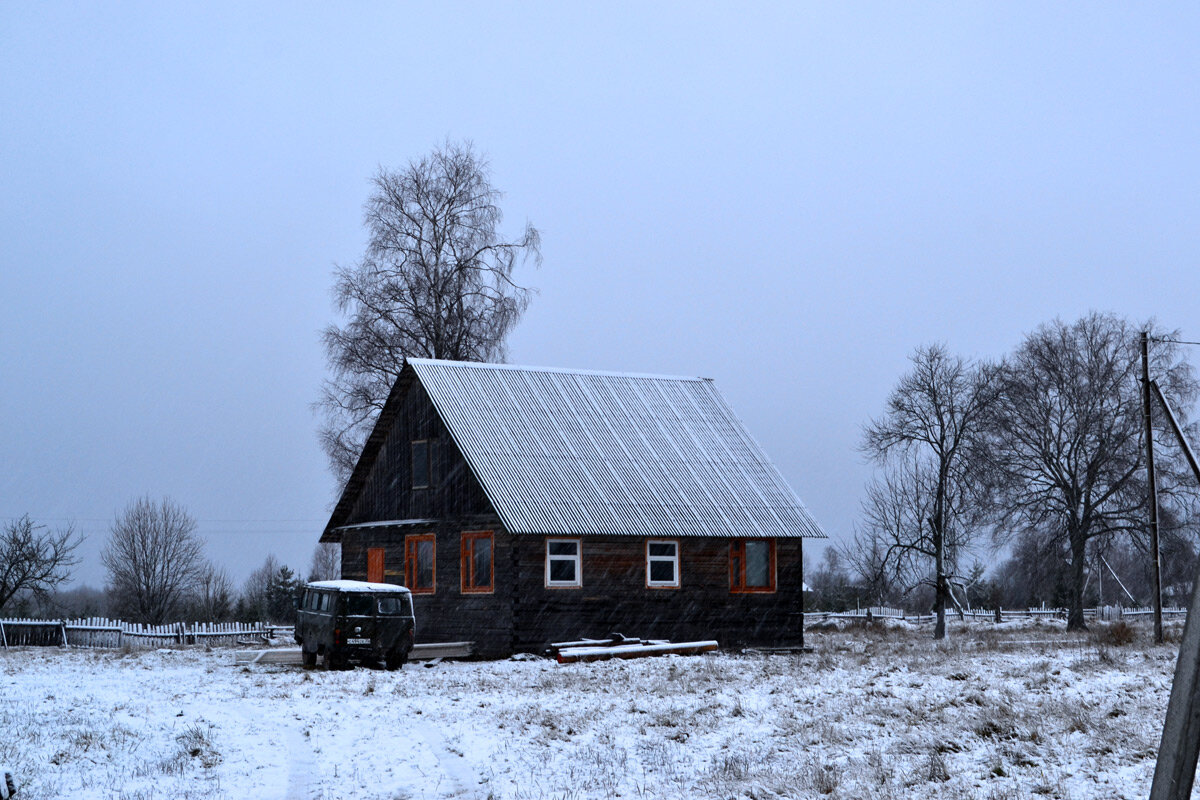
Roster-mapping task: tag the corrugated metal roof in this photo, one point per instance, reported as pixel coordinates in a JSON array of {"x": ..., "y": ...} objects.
[{"x": 583, "y": 452}]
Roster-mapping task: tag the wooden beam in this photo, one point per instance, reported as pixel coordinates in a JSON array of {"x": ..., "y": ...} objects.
[
  {"x": 1175, "y": 771},
  {"x": 574, "y": 654}
]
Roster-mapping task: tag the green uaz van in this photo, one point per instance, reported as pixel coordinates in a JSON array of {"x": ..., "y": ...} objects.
[{"x": 355, "y": 620}]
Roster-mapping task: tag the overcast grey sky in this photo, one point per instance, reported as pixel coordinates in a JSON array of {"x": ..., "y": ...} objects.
[{"x": 785, "y": 198}]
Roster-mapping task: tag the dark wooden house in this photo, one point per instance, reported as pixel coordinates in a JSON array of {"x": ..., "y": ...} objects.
[{"x": 523, "y": 506}]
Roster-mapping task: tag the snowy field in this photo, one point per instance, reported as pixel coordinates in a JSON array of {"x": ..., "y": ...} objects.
[{"x": 1024, "y": 712}]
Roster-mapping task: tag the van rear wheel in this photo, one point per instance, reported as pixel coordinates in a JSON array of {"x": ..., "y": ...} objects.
[
  {"x": 395, "y": 660},
  {"x": 308, "y": 658}
]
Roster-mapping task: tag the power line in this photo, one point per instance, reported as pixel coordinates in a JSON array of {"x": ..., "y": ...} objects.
[{"x": 224, "y": 521}]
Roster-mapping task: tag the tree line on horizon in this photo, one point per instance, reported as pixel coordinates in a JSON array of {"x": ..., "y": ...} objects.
[
  {"x": 1038, "y": 460},
  {"x": 156, "y": 573}
]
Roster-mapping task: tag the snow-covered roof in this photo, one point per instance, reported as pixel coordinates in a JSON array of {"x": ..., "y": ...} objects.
[
  {"x": 356, "y": 586},
  {"x": 577, "y": 451}
]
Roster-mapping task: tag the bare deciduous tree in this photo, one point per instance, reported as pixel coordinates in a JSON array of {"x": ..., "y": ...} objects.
[
  {"x": 1064, "y": 440},
  {"x": 326, "y": 562},
  {"x": 213, "y": 598},
  {"x": 916, "y": 516},
  {"x": 34, "y": 559},
  {"x": 154, "y": 559},
  {"x": 435, "y": 282},
  {"x": 254, "y": 604}
]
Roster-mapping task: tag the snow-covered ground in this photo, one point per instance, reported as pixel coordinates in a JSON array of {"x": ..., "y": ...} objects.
[{"x": 1023, "y": 712}]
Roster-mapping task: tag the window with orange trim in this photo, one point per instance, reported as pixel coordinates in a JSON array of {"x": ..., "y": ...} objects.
[
  {"x": 420, "y": 572},
  {"x": 752, "y": 565},
  {"x": 476, "y": 568}
]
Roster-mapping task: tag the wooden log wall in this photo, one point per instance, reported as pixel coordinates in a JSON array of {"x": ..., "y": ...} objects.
[{"x": 614, "y": 597}]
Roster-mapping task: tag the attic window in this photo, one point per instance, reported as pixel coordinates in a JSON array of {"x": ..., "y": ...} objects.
[{"x": 420, "y": 464}]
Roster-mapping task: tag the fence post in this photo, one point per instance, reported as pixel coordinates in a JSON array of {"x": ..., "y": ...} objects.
[
  {"x": 62, "y": 626},
  {"x": 3, "y": 637}
]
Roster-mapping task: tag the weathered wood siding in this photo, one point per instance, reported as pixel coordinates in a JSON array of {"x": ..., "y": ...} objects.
[
  {"x": 388, "y": 492},
  {"x": 614, "y": 596}
]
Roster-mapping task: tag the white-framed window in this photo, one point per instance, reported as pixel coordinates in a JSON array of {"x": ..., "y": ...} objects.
[
  {"x": 563, "y": 563},
  {"x": 662, "y": 563}
]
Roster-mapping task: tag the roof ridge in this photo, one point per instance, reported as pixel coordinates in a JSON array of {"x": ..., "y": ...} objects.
[{"x": 555, "y": 370}]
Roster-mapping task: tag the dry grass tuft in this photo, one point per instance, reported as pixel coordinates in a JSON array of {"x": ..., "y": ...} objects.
[{"x": 1117, "y": 634}]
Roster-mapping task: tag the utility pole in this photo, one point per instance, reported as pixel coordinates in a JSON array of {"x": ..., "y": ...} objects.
[{"x": 1152, "y": 489}]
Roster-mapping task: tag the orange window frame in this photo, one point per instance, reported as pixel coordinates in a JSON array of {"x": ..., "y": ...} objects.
[
  {"x": 412, "y": 546},
  {"x": 375, "y": 562},
  {"x": 468, "y": 581},
  {"x": 737, "y": 567}
]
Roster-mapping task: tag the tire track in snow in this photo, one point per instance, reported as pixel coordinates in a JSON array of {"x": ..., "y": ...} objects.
[
  {"x": 303, "y": 782},
  {"x": 461, "y": 778}
]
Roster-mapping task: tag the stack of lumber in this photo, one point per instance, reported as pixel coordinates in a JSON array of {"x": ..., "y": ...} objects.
[{"x": 618, "y": 646}]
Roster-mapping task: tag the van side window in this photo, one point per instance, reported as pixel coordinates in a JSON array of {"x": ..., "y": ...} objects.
[
  {"x": 324, "y": 602},
  {"x": 393, "y": 606}
]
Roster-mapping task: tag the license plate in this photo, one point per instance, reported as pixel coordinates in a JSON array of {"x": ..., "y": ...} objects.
[{"x": 358, "y": 641}]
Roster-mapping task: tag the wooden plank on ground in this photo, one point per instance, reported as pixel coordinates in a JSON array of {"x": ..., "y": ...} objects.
[
  {"x": 420, "y": 652},
  {"x": 574, "y": 654}
]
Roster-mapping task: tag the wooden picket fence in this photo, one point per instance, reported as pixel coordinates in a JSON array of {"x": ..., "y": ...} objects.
[
  {"x": 101, "y": 632},
  {"x": 874, "y": 612},
  {"x": 1105, "y": 613}
]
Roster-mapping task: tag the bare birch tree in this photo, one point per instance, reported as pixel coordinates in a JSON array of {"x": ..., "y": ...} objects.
[
  {"x": 326, "y": 564},
  {"x": 1064, "y": 442},
  {"x": 436, "y": 281},
  {"x": 154, "y": 560},
  {"x": 34, "y": 559},
  {"x": 916, "y": 517}
]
